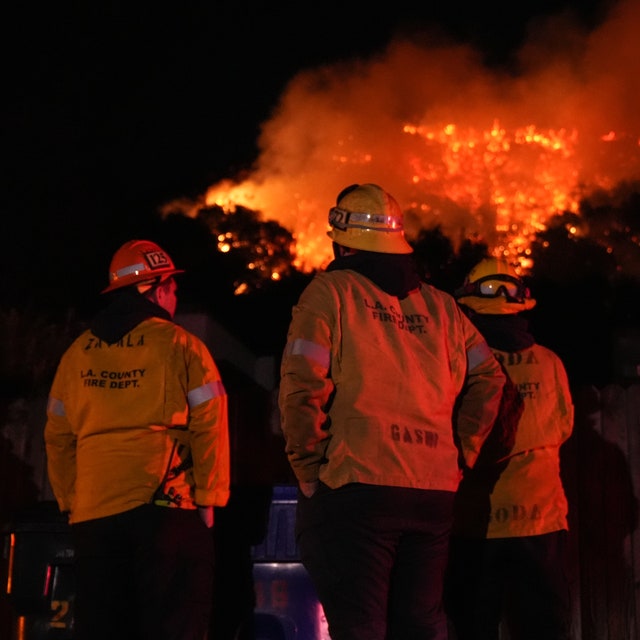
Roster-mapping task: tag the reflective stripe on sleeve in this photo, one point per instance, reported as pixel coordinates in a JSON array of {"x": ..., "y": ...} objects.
[
  {"x": 477, "y": 354},
  {"x": 205, "y": 392},
  {"x": 309, "y": 350},
  {"x": 56, "y": 407}
]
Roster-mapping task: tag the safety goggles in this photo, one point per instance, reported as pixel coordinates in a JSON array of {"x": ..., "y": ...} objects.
[{"x": 497, "y": 285}]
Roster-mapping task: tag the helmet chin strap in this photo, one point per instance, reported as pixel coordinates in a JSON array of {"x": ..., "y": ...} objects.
[
  {"x": 162, "y": 293},
  {"x": 145, "y": 287},
  {"x": 340, "y": 251}
]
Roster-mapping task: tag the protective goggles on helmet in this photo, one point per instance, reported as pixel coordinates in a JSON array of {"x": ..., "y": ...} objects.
[
  {"x": 496, "y": 285},
  {"x": 343, "y": 220}
]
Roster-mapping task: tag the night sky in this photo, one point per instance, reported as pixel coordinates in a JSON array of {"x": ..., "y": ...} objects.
[{"x": 111, "y": 109}]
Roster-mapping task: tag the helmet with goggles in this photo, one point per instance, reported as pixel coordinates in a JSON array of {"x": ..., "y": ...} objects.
[
  {"x": 367, "y": 217},
  {"x": 494, "y": 287}
]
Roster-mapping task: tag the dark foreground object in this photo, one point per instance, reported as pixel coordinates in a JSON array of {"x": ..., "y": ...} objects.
[{"x": 39, "y": 581}]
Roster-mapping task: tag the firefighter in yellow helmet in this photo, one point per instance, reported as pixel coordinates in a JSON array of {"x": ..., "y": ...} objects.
[
  {"x": 376, "y": 365},
  {"x": 493, "y": 287},
  {"x": 367, "y": 217},
  {"x": 510, "y": 529},
  {"x": 138, "y": 456}
]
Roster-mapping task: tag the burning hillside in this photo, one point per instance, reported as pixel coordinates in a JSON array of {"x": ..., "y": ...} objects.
[{"x": 482, "y": 153}]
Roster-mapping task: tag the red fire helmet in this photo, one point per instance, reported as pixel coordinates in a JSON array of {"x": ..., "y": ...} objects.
[{"x": 139, "y": 262}]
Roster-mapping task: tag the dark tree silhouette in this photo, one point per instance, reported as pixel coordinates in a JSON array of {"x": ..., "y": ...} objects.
[{"x": 439, "y": 263}]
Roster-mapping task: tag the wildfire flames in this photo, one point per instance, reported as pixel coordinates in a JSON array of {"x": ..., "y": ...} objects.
[{"x": 482, "y": 153}]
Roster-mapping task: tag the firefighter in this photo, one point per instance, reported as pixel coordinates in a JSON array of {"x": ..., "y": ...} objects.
[
  {"x": 375, "y": 365},
  {"x": 138, "y": 457},
  {"x": 515, "y": 551}
]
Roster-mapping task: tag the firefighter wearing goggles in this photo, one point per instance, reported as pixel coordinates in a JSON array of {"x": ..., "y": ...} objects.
[
  {"x": 493, "y": 286},
  {"x": 511, "y": 510}
]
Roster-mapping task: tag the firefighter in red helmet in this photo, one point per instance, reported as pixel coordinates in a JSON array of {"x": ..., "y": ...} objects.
[
  {"x": 138, "y": 456},
  {"x": 376, "y": 365},
  {"x": 510, "y": 528},
  {"x": 141, "y": 263}
]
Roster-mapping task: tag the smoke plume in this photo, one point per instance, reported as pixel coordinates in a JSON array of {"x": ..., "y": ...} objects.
[{"x": 483, "y": 152}]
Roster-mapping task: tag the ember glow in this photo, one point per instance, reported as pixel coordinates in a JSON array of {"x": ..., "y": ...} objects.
[{"x": 484, "y": 154}]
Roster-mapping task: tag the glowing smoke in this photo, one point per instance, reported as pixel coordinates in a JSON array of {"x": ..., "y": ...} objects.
[{"x": 447, "y": 136}]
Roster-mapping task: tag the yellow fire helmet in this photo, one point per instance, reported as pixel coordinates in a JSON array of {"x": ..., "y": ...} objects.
[
  {"x": 494, "y": 287},
  {"x": 139, "y": 262},
  {"x": 367, "y": 217}
]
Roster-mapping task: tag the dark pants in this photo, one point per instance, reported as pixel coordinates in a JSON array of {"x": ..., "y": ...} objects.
[
  {"x": 145, "y": 574},
  {"x": 240, "y": 525},
  {"x": 377, "y": 557},
  {"x": 522, "y": 581}
]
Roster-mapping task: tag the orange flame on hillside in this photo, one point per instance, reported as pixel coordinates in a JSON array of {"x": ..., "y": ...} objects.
[{"x": 482, "y": 154}]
